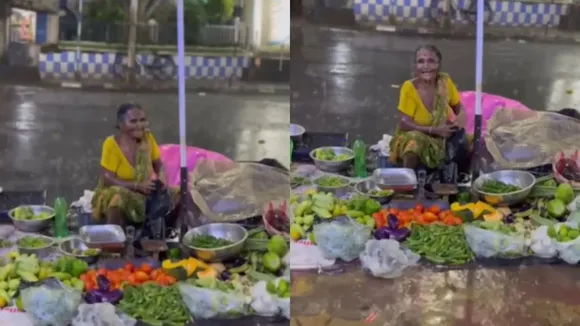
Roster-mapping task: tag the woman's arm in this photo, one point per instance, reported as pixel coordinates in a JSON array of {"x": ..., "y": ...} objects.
[
  {"x": 406, "y": 123},
  {"x": 110, "y": 179},
  {"x": 407, "y": 109}
]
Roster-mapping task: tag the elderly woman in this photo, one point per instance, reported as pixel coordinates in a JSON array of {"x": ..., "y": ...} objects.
[
  {"x": 430, "y": 111},
  {"x": 131, "y": 169}
]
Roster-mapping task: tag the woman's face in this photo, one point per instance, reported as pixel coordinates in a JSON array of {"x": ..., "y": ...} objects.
[
  {"x": 426, "y": 65},
  {"x": 135, "y": 123}
]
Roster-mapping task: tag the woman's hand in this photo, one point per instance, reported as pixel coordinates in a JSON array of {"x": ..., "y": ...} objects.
[
  {"x": 145, "y": 187},
  {"x": 461, "y": 119},
  {"x": 445, "y": 130}
]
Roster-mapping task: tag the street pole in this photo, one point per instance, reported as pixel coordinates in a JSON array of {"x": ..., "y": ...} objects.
[
  {"x": 182, "y": 119},
  {"x": 478, "y": 87},
  {"x": 132, "y": 46},
  {"x": 79, "y": 34}
]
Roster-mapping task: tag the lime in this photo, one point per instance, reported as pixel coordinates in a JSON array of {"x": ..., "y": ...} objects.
[
  {"x": 271, "y": 287},
  {"x": 283, "y": 287},
  {"x": 272, "y": 262},
  {"x": 552, "y": 233},
  {"x": 278, "y": 245}
]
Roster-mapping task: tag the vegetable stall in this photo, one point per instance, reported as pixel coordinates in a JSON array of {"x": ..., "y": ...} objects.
[
  {"x": 393, "y": 220},
  {"x": 220, "y": 270}
]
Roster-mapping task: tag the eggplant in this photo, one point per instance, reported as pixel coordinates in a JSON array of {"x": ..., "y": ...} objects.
[
  {"x": 103, "y": 283},
  {"x": 112, "y": 297},
  {"x": 509, "y": 219},
  {"x": 392, "y": 233},
  {"x": 94, "y": 296},
  {"x": 392, "y": 221},
  {"x": 225, "y": 275}
]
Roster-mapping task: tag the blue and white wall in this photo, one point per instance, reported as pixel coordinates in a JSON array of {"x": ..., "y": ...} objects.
[
  {"x": 62, "y": 65},
  {"x": 506, "y": 13}
]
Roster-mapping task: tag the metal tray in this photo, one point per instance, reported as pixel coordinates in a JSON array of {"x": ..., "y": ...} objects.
[
  {"x": 106, "y": 236},
  {"x": 398, "y": 179}
]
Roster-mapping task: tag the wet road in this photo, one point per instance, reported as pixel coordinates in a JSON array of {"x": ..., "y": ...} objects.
[
  {"x": 51, "y": 138},
  {"x": 347, "y": 81}
]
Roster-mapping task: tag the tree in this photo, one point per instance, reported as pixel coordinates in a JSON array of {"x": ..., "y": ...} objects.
[
  {"x": 105, "y": 11},
  {"x": 219, "y": 11}
]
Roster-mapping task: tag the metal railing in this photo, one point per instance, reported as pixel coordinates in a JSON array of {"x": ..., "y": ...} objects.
[{"x": 156, "y": 34}]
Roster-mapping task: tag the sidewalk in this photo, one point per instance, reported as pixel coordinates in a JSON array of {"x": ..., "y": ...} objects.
[
  {"x": 191, "y": 85},
  {"x": 531, "y": 34}
]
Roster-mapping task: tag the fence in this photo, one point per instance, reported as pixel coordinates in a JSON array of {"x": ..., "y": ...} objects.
[{"x": 157, "y": 34}]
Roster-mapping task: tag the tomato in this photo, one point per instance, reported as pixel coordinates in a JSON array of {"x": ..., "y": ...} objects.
[
  {"x": 129, "y": 267},
  {"x": 146, "y": 268},
  {"x": 102, "y": 271},
  {"x": 141, "y": 276},
  {"x": 434, "y": 209},
  {"x": 393, "y": 211},
  {"x": 419, "y": 208},
  {"x": 131, "y": 279}
]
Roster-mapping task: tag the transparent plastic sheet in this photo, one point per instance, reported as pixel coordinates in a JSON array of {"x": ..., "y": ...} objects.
[
  {"x": 230, "y": 191},
  {"x": 268, "y": 305},
  {"x": 51, "y": 303},
  {"x": 206, "y": 303},
  {"x": 489, "y": 244},
  {"x": 342, "y": 238},
  {"x": 387, "y": 259},
  {"x": 100, "y": 314},
  {"x": 542, "y": 245},
  {"x": 519, "y": 139},
  {"x": 568, "y": 251}
]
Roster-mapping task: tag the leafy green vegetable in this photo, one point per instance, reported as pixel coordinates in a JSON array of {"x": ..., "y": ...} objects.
[
  {"x": 498, "y": 187},
  {"x": 209, "y": 242}
]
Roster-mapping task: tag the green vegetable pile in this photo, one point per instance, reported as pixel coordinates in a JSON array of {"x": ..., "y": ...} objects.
[
  {"x": 31, "y": 242},
  {"x": 207, "y": 241},
  {"x": 69, "y": 265},
  {"x": 564, "y": 234},
  {"x": 298, "y": 181},
  {"x": 381, "y": 193},
  {"x": 498, "y": 187},
  {"x": 440, "y": 244},
  {"x": 26, "y": 213},
  {"x": 328, "y": 154},
  {"x": 155, "y": 305},
  {"x": 331, "y": 181}
]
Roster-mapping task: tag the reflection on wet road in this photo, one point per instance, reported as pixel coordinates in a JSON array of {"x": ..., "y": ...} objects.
[
  {"x": 51, "y": 138},
  {"x": 347, "y": 81},
  {"x": 540, "y": 295}
]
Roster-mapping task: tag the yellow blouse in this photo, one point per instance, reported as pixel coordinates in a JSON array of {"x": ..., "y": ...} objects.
[
  {"x": 410, "y": 102},
  {"x": 114, "y": 160}
]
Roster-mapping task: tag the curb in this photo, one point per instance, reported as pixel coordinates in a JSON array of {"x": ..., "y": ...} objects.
[
  {"x": 469, "y": 34},
  {"x": 256, "y": 89}
]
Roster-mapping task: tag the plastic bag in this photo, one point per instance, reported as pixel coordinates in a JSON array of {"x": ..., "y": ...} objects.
[
  {"x": 206, "y": 303},
  {"x": 527, "y": 139},
  {"x": 386, "y": 258},
  {"x": 170, "y": 155},
  {"x": 488, "y": 244},
  {"x": 101, "y": 314},
  {"x": 568, "y": 251},
  {"x": 51, "y": 303},
  {"x": 342, "y": 238},
  {"x": 229, "y": 192},
  {"x": 541, "y": 244},
  {"x": 264, "y": 303}
]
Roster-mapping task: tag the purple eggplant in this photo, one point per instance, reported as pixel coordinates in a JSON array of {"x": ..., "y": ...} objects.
[
  {"x": 103, "y": 283},
  {"x": 225, "y": 275},
  {"x": 509, "y": 219},
  {"x": 113, "y": 296},
  {"x": 392, "y": 221},
  {"x": 94, "y": 296},
  {"x": 392, "y": 233}
]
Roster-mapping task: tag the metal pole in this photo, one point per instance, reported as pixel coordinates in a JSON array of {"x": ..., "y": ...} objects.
[
  {"x": 132, "y": 46},
  {"x": 182, "y": 125},
  {"x": 79, "y": 34},
  {"x": 478, "y": 86}
]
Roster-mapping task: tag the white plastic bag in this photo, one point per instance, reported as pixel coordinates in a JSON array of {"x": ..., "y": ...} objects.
[
  {"x": 342, "y": 238},
  {"x": 574, "y": 205},
  {"x": 101, "y": 314},
  {"x": 263, "y": 303},
  {"x": 541, "y": 244},
  {"x": 51, "y": 303},
  {"x": 488, "y": 244},
  {"x": 386, "y": 258},
  {"x": 568, "y": 251},
  {"x": 207, "y": 303}
]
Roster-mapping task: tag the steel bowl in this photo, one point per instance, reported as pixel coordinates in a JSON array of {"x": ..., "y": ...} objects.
[
  {"x": 296, "y": 132},
  {"x": 397, "y": 179},
  {"x": 522, "y": 179},
  {"x": 33, "y": 225},
  {"x": 40, "y": 252},
  {"x": 365, "y": 187},
  {"x": 68, "y": 246},
  {"x": 232, "y": 232},
  {"x": 333, "y": 166},
  {"x": 337, "y": 191}
]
